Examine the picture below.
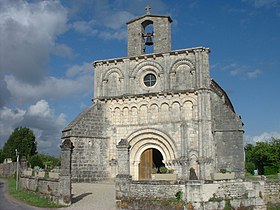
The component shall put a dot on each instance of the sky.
(47, 49)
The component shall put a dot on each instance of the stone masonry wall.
(8, 169)
(175, 71)
(90, 160)
(198, 195)
(228, 133)
(90, 154)
(48, 188)
(272, 192)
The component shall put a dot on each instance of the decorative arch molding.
(144, 139)
(147, 65)
(113, 70)
(159, 103)
(193, 153)
(180, 62)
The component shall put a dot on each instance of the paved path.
(93, 196)
(9, 203)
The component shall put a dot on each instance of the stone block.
(164, 176)
(27, 173)
(222, 176)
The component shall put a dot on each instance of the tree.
(44, 161)
(1, 156)
(265, 157)
(22, 139)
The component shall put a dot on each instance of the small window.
(150, 80)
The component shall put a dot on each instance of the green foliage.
(22, 139)
(270, 170)
(1, 156)
(44, 161)
(250, 167)
(163, 170)
(223, 170)
(263, 154)
(36, 160)
(179, 195)
(227, 205)
(273, 206)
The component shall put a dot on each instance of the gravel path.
(93, 196)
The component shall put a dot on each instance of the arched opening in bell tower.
(148, 35)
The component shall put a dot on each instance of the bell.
(149, 40)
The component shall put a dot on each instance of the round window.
(150, 80)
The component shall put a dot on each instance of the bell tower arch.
(149, 31)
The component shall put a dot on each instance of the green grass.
(251, 177)
(275, 206)
(30, 198)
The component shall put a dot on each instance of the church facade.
(164, 103)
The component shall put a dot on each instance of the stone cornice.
(148, 95)
(152, 55)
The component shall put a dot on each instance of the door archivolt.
(149, 139)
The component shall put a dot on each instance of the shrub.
(250, 167)
(163, 170)
(179, 195)
(270, 170)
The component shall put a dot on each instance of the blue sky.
(47, 47)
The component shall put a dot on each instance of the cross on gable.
(148, 9)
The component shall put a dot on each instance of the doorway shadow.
(79, 197)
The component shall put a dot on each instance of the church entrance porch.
(150, 148)
(150, 162)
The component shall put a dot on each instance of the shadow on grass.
(79, 197)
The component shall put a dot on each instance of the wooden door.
(146, 164)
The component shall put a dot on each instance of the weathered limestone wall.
(59, 189)
(197, 194)
(8, 169)
(90, 160)
(153, 120)
(181, 70)
(161, 29)
(228, 133)
(48, 188)
(272, 192)
(90, 154)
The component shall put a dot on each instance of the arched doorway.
(151, 159)
(145, 139)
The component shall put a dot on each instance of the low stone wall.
(196, 194)
(46, 187)
(272, 192)
(8, 169)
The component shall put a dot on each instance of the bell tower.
(149, 31)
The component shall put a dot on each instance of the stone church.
(164, 103)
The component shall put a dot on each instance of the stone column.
(123, 179)
(65, 173)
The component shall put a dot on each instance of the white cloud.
(264, 137)
(8, 118)
(237, 70)
(254, 74)
(27, 35)
(84, 27)
(79, 82)
(263, 3)
(79, 70)
(40, 118)
(63, 50)
(118, 19)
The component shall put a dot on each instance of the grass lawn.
(251, 177)
(29, 197)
